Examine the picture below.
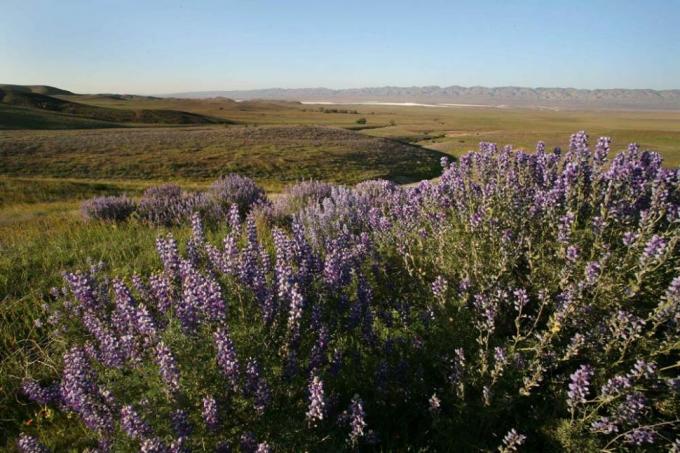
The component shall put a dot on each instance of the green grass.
(271, 155)
(12, 117)
(453, 130)
(40, 103)
(35, 251)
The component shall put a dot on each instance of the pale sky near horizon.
(154, 47)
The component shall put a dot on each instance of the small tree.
(361, 121)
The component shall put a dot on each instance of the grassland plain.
(44, 175)
(453, 130)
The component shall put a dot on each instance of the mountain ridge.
(511, 96)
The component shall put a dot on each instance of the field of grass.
(453, 130)
(271, 155)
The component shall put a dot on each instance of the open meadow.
(401, 286)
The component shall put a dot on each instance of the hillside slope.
(25, 98)
(37, 89)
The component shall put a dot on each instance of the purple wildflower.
(315, 412)
(132, 423)
(511, 441)
(580, 385)
(226, 356)
(209, 412)
(29, 444)
(167, 367)
(356, 420)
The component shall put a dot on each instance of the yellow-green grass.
(42, 242)
(272, 155)
(450, 129)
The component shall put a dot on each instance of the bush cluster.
(526, 300)
(169, 205)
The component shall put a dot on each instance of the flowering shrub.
(293, 199)
(236, 189)
(524, 300)
(113, 208)
(169, 205)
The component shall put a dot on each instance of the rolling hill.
(37, 89)
(36, 105)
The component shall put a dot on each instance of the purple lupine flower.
(521, 299)
(592, 272)
(315, 412)
(201, 294)
(180, 423)
(632, 408)
(132, 423)
(226, 356)
(654, 250)
(234, 189)
(161, 291)
(616, 385)
(153, 445)
(439, 287)
(108, 208)
(574, 346)
(486, 309)
(29, 444)
(580, 385)
(318, 353)
(356, 420)
(256, 386)
(564, 227)
(572, 253)
(80, 392)
(640, 436)
(500, 359)
(41, 395)
(668, 308)
(196, 243)
(629, 238)
(209, 412)
(511, 441)
(642, 370)
(295, 313)
(168, 253)
(626, 326)
(84, 288)
(604, 425)
(167, 366)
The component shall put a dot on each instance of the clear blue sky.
(167, 46)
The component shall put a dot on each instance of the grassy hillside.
(43, 103)
(12, 117)
(38, 89)
(272, 155)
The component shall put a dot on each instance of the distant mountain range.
(558, 98)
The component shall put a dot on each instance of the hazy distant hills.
(565, 98)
